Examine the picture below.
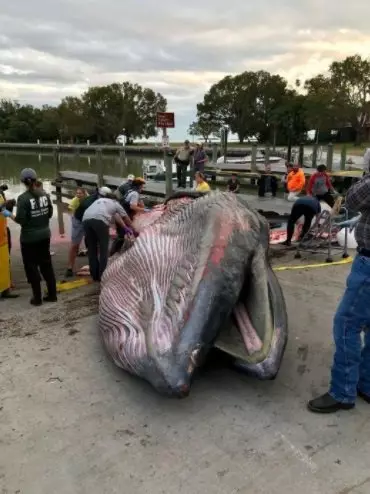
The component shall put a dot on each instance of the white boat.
(243, 163)
(157, 172)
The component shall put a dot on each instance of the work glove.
(6, 213)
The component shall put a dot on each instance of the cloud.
(50, 50)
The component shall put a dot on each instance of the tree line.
(101, 114)
(250, 104)
(261, 104)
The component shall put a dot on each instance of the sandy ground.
(73, 423)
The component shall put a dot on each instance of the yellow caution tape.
(63, 286)
(348, 260)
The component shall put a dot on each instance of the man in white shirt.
(96, 221)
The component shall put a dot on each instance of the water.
(11, 165)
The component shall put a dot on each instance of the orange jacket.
(296, 181)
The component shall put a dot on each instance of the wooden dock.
(276, 207)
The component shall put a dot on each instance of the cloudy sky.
(50, 49)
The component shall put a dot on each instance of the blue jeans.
(351, 366)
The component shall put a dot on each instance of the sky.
(51, 49)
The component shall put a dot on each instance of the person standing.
(96, 221)
(77, 230)
(34, 211)
(200, 158)
(182, 159)
(306, 206)
(320, 186)
(366, 161)
(350, 372)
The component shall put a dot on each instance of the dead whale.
(197, 276)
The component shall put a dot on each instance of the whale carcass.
(197, 276)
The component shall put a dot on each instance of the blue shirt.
(309, 201)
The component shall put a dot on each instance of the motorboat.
(243, 163)
(157, 172)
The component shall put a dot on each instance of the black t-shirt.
(233, 184)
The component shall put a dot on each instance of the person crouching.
(96, 221)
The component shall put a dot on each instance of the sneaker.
(35, 302)
(69, 273)
(288, 243)
(50, 299)
(327, 404)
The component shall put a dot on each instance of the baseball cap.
(105, 191)
(131, 177)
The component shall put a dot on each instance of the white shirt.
(103, 209)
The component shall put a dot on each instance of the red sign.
(165, 120)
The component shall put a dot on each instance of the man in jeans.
(350, 373)
(96, 221)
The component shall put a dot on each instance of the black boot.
(327, 404)
(36, 291)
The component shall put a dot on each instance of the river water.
(11, 165)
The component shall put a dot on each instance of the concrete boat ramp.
(73, 423)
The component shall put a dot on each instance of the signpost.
(166, 120)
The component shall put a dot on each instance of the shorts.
(78, 232)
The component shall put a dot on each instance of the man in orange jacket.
(296, 181)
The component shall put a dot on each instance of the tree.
(350, 80)
(246, 103)
(203, 127)
(73, 119)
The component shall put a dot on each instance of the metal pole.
(168, 166)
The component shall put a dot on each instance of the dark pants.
(97, 237)
(36, 258)
(181, 168)
(298, 211)
(328, 198)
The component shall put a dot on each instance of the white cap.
(131, 177)
(105, 191)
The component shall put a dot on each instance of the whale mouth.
(256, 334)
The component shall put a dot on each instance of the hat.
(131, 177)
(28, 175)
(105, 191)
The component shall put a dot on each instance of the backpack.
(85, 203)
(320, 186)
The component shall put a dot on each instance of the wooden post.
(100, 167)
(267, 155)
(254, 158)
(314, 156)
(329, 157)
(343, 157)
(168, 166)
(301, 154)
(214, 153)
(122, 159)
(58, 192)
